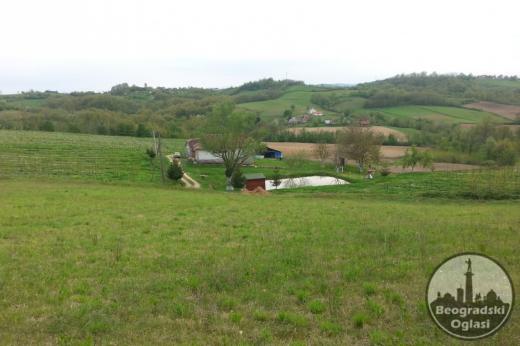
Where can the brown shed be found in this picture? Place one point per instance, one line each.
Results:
(254, 180)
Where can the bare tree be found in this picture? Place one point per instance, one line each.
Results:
(322, 152)
(359, 144)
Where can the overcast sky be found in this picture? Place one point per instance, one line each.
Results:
(70, 45)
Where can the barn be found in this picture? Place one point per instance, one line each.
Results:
(271, 153)
(254, 180)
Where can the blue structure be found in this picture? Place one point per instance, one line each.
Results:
(271, 153)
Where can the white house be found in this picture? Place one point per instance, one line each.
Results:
(195, 153)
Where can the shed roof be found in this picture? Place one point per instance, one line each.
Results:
(254, 176)
(272, 149)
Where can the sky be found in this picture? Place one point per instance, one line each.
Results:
(69, 45)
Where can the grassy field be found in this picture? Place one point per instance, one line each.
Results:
(83, 263)
(301, 99)
(439, 113)
(76, 156)
(275, 108)
(93, 250)
(477, 184)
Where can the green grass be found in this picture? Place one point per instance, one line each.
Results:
(90, 263)
(499, 83)
(453, 115)
(481, 184)
(77, 156)
(17, 101)
(275, 108)
(94, 251)
(301, 99)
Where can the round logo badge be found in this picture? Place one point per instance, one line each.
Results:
(470, 296)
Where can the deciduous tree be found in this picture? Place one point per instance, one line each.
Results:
(359, 144)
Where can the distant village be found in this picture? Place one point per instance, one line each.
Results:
(302, 119)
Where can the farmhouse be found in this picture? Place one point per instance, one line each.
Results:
(196, 154)
(254, 180)
(302, 119)
(314, 112)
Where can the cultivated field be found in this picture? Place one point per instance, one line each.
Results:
(453, 115)
(510, 112)
(77, 156)
(385, 131)
(100, 264)
(308, 149)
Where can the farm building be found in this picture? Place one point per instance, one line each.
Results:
(314, 112)
(196, 154)
(254, 180)
(364, 122)
(271, 153)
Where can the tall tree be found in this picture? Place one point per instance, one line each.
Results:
(230, 135)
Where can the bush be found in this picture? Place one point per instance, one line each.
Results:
(238, 180)
(175, 171)
(150, 152)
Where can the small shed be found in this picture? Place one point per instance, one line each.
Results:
(254, 180)
(271, 153)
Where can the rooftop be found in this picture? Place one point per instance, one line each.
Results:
(254, 176)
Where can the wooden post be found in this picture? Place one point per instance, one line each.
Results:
(159, 154)
(155, 144)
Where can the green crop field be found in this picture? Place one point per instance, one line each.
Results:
(77, 156)
(439, 113)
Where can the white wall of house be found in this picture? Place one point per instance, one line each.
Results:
(206, 156)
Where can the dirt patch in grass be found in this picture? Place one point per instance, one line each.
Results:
(507, 111)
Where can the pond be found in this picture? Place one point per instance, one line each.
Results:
(314, 180)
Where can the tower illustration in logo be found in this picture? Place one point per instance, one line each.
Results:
(481, 307)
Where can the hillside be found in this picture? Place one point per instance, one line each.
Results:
(77, 156)
(94, 248)
(140, 265)
(175, 112)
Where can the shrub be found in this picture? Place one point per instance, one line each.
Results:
(238, 180)
(150, 152)
(175, 171)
